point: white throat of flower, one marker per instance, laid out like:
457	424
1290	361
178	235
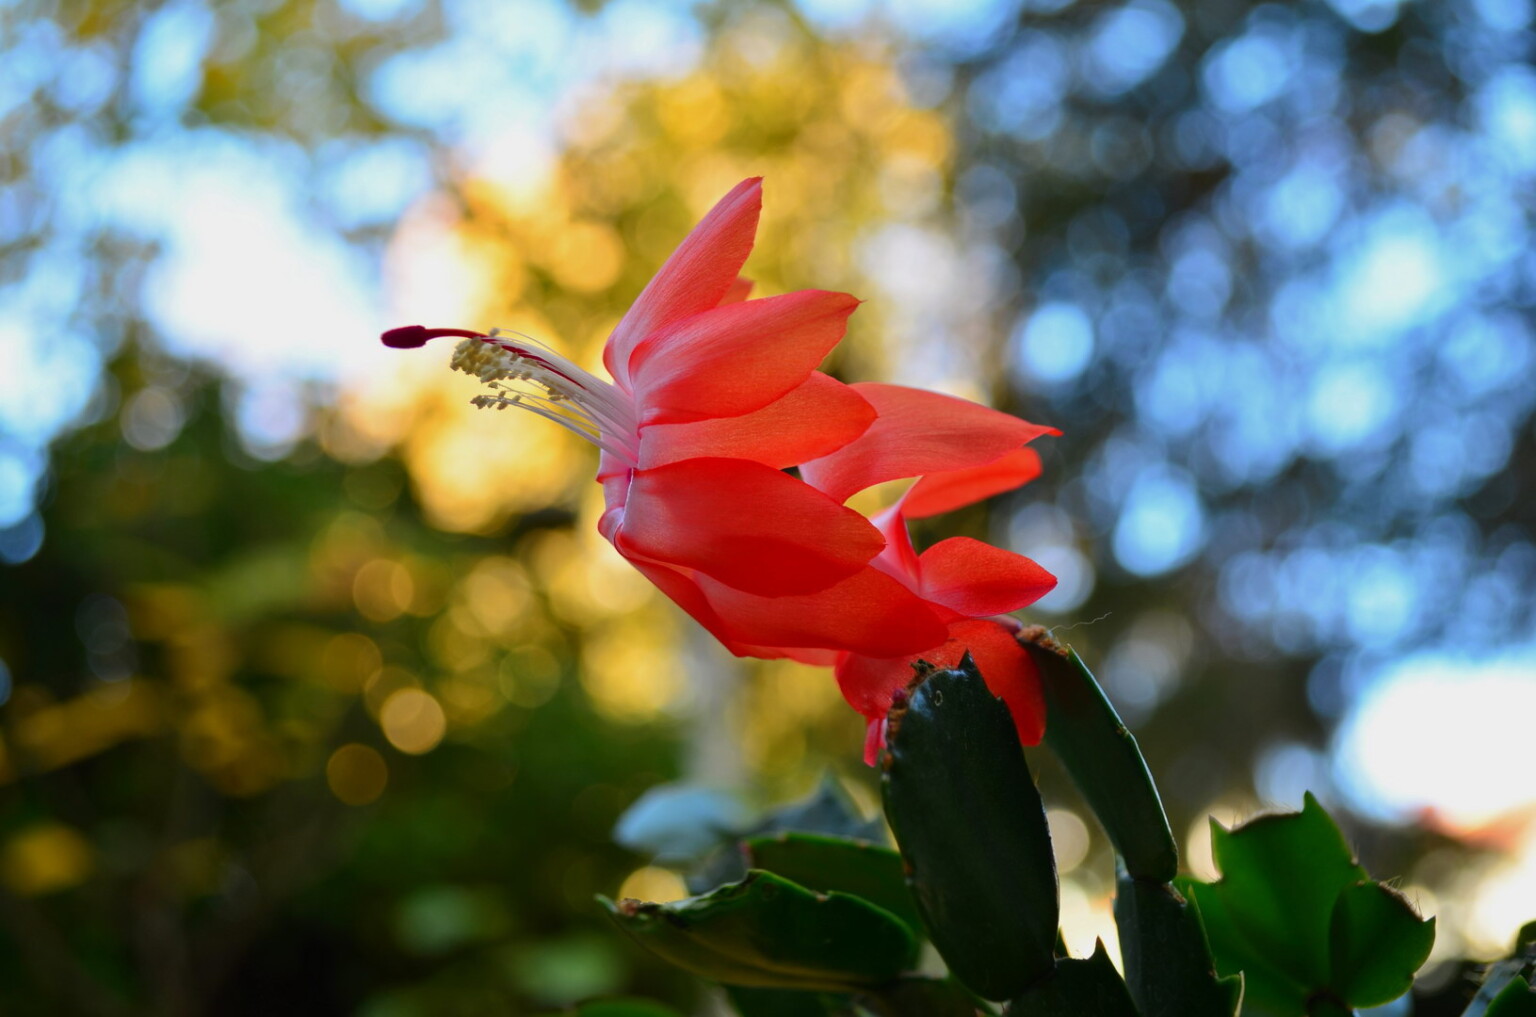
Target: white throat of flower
525	373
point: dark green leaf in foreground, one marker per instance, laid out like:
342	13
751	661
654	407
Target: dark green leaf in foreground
1079	988
757	1002
925	997
1168	966
1377	942
768	931
834	863
1515	1000
971	827
625	1008
1103	759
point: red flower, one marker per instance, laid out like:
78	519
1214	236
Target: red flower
712	397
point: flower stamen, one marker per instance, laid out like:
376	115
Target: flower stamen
550	386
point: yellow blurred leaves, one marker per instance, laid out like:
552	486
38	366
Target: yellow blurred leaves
56	735
44	858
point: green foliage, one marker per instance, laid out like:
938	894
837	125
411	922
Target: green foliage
905	997
1077	988
971	826
1514	1000
768	931
1376	943
854	867
1104	761
624	1008
1506	986
757	1002
1297	915
1167	962
1168	965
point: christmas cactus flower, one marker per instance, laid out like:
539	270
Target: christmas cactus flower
712	396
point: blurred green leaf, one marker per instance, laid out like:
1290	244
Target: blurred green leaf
855	867
1377	941
625	1008
927	997
679	822
1515	1000
757	1002
828	810
768	931
971	827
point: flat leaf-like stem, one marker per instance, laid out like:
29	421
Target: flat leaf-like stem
971	828
856	867
1376	942
768	931
1297	915
1168	965
1078	988
1102	758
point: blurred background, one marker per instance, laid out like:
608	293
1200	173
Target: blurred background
321	693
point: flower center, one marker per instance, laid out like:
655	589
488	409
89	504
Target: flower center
526	374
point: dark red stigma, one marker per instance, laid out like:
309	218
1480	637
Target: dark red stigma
408	337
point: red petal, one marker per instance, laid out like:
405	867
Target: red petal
978	579
867	613
819	417
740	290
917	433
870	683
683	590
736	358
899	557
745	524
1009	672
700	273
937	493
816	658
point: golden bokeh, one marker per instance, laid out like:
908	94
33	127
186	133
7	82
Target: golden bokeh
349	660
1070	839
631	668
382	590
653	884
413	721
384	683
356	774
44	858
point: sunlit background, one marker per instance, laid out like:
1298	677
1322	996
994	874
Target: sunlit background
320	691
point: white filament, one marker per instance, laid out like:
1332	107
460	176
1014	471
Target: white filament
549	385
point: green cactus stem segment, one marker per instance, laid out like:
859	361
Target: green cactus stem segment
971	829
1103	759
